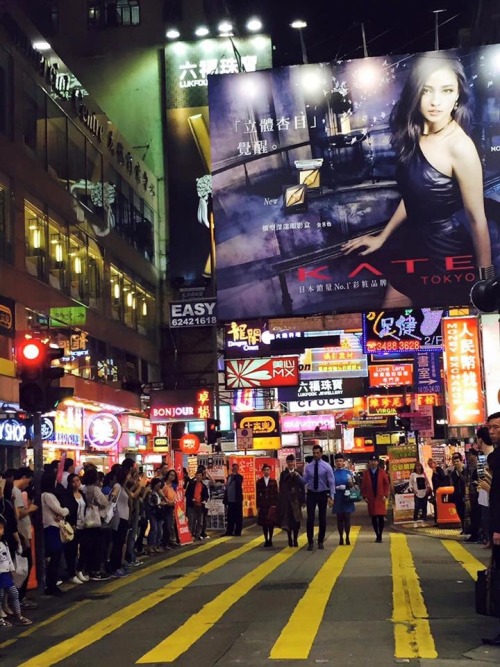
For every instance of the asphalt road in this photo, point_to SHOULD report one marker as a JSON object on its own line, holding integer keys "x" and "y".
{"x": 229, "y": 601}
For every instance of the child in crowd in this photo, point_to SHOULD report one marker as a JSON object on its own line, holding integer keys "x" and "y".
{"x": 7, "y": 583}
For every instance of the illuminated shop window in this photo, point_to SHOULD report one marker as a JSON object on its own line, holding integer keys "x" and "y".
{"x": 116, "y": 284}
{"x": 58, "y": 259}
{"x": 36, "y": 229}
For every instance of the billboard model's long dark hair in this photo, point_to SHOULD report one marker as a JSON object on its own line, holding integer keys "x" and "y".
{"x": 406, "y": 120}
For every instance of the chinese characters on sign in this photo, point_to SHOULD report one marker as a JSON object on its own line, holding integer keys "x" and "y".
{"x": 393, "y": 375}
{"x": 265, "y": 426}
{"x": 428, "y": 370}
{"x": 465, "y": 404}
{"x": 269, "y": 372}
{"x": 247, "y": 339}
{"x": 326, "y": 388}
{"x": 402, "y": 461}
{"x": 104, "y": 430}
{"x": 388, "y": 405}
{"x": 180, "y": 405}
{"x": 402, "y": 330}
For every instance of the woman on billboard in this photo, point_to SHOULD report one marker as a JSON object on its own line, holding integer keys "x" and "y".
{"x": 439, "y": 174}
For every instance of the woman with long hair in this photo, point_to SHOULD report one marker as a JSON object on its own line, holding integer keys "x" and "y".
{"x": 52, "y": 514}
{"x": 421, "y": 489}
{"x": 94, "y": 534}
{"x": 76, "y": 551}
{"x": 439, "y": 174}
{"x": 121, "y": 522}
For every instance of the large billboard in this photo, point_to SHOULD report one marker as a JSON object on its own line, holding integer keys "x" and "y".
{"x": 357, "y": 185}
{"x": 187, "y": 66}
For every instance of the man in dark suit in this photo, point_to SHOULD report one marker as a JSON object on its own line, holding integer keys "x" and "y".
{"x": 233, "y": 499}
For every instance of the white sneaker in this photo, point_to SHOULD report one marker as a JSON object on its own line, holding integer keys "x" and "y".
{"x": 75, "y": 580}
{"x": 83, "y": 577}
{"x": 415, "y": 524}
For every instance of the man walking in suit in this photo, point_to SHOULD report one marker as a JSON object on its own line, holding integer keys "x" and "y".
{"x": 233, "y": 499}
{"x": 320, "y": 482}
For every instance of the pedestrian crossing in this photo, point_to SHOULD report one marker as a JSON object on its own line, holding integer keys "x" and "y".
{"x": 393, "y": 577}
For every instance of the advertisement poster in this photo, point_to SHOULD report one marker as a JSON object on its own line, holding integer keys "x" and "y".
{"x": 463, "y": 376}
{"x": 402, "y": 460}
{"x": 310, "y": 164}
{"x": 187, "y": 66}
{"x": 247, "y": 468}
{"x": 180, "y": 515}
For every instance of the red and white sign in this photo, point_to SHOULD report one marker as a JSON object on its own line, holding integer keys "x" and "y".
{"x": 181, "y": 522}
{"x": 463, "y": 377}
{"x": 268, "y": 372}
{"x": 390, "y": 375}
{"x": 189, "y": 443}
{"x": 294, "y": 423}
{"x": 247, "y": 468}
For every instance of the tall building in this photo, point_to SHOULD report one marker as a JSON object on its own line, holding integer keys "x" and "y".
{"x": 119, "y": 48}
{"x": 78, "y": 249}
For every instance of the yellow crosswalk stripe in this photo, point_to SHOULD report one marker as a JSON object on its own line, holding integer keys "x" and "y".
{"x": 412, "y": 632}
{"x": 297, "y": 637}
{"x": 117, "y": 584}
{"x": 115, "y": 620}
{"x": 470, "y": 564}
{"x": 171, "y": 648}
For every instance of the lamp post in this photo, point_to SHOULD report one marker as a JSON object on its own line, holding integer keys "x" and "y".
{"x": 436, "y": 13}
{"x": 300, "y": 25}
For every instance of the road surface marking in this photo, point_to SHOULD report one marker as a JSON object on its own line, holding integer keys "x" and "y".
{"x": 412, "y": 632}
{"x": 470, "y": 564}
{"x": 116, "y": 584}
{"x": 115, "y": 620}
{"x": 171, "y": 648}
{"x": 297, "y": 637}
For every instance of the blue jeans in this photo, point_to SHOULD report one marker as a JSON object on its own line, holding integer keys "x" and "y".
{"x": 155, "y": 533}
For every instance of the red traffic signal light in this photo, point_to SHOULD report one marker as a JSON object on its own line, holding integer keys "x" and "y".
{"x": 31, "y": 353}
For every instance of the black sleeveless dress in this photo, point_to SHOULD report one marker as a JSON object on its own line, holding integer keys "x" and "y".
{"x": 434, "y": 230}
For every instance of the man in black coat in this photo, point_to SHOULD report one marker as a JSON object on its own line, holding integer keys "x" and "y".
{"x": 494, "y": 466}
{"x": 233, "y": 499}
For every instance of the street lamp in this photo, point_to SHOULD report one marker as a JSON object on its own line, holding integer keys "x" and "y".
{"x": 225, "y": 27}
{"x": 436, "y": 13}
{"x": 172, "y": 33}
{"x": 201, "y": 31}
{"x": 299, "y": 25}
{"x": 254, "y": 24}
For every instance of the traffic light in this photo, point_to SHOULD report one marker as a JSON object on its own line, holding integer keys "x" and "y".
{"x": 212, "y": 431}
{"x": 31, "y": 364}
{"x": 54, "y": 395}
{"x": 36, "y": 393}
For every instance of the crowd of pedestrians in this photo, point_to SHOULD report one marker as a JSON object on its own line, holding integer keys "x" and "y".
{"x": 94, "y": 525}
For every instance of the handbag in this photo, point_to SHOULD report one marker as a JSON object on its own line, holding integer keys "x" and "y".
{"x": 92, "y": 517}
{"x": 488, "y": 592}
{"x": 109, "y": 514}
{"x": 66, "y": 532}
{"x": 21, "y": 570}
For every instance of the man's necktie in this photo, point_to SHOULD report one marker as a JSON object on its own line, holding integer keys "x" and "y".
{"x": 316, "y": 475}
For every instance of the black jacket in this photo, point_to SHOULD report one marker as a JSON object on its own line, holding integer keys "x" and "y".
{"x": 238, "y": 481}
{"x": 68, "y": 500}
{"x": 190, "y": 493}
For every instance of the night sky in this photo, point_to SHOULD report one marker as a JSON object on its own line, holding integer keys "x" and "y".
{"x": 333, "y": 31}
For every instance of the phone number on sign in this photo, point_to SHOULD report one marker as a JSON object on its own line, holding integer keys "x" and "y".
{"x": 392, "y": 345}
{"x": 193, "y": 321}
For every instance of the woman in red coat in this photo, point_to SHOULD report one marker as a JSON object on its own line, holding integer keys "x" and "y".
{"x": 267, "y": 501}
{"x": 375, "y": 491}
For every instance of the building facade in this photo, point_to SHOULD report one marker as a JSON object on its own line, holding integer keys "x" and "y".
{"x": 78, "y": 236}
